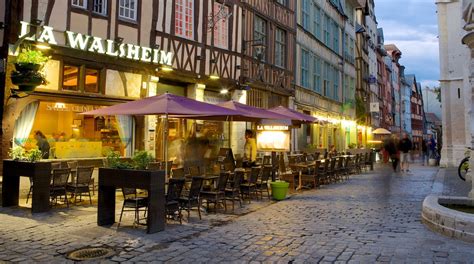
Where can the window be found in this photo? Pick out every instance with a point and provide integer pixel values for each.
(351, 47)
(92, 81)
(70, 78)
(74, 77)
(100, 7)
(79, 3)
(128, 9)
(327, 30)
(305, 14)
(304, 68)
(184, 17)
(326, 82)
(280, 47)
(317, 74)
(260, 33)
(335, 35)
(282, 2)
(221, 27)
(317, 22)
(336, 84)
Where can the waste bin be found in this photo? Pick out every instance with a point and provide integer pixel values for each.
(279, 189)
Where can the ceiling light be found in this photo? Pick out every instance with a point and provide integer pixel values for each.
(42, 46)
(224, 91)
(166, 69)
(214, 77)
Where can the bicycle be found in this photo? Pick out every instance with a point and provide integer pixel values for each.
(463, 167)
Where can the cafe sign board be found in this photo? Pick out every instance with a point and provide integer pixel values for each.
(98, 45)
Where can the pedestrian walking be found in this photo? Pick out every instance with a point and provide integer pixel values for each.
(405, 145)
(424, 150)
(431, 147)
(391, 148)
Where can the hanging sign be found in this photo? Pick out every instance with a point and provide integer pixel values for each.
(98, 45)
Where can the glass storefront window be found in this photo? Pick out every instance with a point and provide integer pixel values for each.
(70, 77)
(72, 135)
(92, 81)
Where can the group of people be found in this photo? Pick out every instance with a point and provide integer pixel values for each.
(399, 151)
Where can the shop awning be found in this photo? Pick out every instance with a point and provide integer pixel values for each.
(296, 117)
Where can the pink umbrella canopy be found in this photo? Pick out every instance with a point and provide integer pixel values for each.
(170, 104)
(296, 116)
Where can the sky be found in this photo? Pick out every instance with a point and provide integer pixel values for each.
(413, 27)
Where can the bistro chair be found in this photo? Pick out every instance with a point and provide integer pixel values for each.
(249, 187)
(232, 192)
(175, 186)
(177, 173)
(262, 183)
(54, 165)
(311, 175)
(286, 174)
(190, 199)
(154, 166)
(58, 187)
(339, 169)
(132, 202)
(81, 183)
(194, 171)
(323, 172)
(218, 195)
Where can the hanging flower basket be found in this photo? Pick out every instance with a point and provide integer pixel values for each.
(27, 75)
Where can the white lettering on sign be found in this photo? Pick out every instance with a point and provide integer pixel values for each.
(272, 128)
(98, 45)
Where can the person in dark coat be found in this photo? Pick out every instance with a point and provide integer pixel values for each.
(391, 148)
(405, 145)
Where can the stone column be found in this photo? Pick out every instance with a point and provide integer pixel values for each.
(468, 39)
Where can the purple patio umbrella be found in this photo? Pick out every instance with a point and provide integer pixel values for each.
(297, 117)
(168, 105)
(255, 112)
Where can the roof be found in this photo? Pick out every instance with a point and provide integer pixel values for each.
(433, 118)
(410, 79)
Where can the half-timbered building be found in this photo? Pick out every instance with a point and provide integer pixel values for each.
(104, 52)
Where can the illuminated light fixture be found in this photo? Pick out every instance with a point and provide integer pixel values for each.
(201, 86)
(166, 69)
(224, 91)
(42, 46)
(154, 79)
(214, 77)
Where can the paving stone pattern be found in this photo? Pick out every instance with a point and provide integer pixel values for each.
(373, 217)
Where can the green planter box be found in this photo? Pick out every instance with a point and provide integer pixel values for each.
(279, 189)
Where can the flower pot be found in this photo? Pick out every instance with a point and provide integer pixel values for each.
(23, 67)
(279, 189)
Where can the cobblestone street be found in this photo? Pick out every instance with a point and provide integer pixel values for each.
(373, 217)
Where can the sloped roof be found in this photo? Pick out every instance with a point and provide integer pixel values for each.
(433, 118)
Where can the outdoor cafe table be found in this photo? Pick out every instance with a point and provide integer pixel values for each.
(300, 167)
(40, 172)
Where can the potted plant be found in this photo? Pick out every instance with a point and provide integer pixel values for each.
(123, 174)
(27, 73)
(18, 153)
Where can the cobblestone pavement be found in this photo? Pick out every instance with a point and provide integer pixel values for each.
(373, 217)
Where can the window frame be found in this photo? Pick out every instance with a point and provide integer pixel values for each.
(327, 30)
(305, 16)
(81, 78)
(280, 47)
(335, 37)
(317, 21)
(317, 74)
(183, 25)
(123, 17)
(305, 67)
(83, 6)
(221, 30)
(104, 6)
(261, 35)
